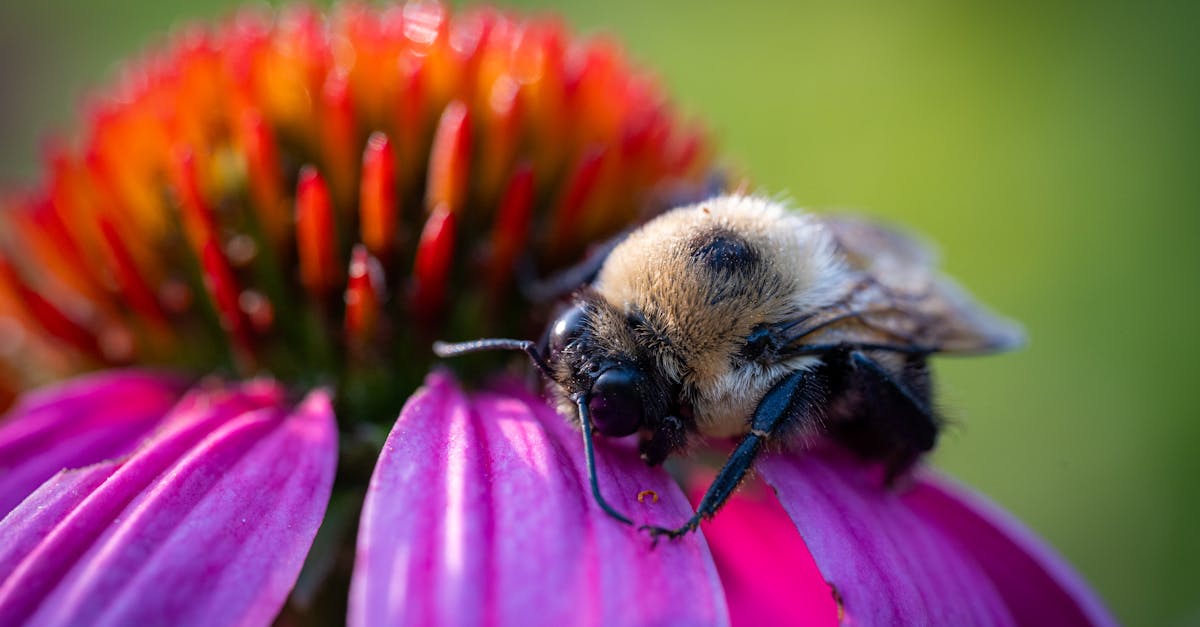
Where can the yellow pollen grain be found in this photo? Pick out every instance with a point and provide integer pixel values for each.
(837, 598)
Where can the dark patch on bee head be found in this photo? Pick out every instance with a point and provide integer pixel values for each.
(725, 252)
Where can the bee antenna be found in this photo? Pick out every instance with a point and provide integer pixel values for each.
(589, 454)
(448, 349)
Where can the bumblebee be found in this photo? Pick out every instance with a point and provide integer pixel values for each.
(736, 317)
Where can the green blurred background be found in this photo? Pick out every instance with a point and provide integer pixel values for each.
(1050, 150)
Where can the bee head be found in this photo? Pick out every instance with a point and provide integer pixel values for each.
(615, 387)
(613, 390)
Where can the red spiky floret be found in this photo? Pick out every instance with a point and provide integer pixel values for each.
(442, 151)
(363, 296)
(264, 175)
(378, 203)
(511, 232)
(450, 160)
(431, 269)
(315, 236)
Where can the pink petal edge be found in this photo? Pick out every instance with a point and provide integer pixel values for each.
(77, 423)
(888, 564)
(208, 522)
(933, 552)
(766, 570)
(479, 512)
(1038, 586)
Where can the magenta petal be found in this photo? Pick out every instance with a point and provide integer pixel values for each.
(888, 563)
(1036, 584)
(78, 423)
(208, 522)
(767, 572)
(479, 513)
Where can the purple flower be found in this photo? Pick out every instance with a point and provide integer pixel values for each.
(477, 512)
(252, 250)
(205, 517)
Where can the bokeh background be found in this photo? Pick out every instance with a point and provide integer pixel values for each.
(1048, 148)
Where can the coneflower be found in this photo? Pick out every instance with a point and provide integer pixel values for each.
(317, 198)
(263, 227)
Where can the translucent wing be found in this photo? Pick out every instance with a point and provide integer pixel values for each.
(896, 298)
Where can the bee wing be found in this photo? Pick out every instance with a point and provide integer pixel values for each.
(896, 297)
(892, 257)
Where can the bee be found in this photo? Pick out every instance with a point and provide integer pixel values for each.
(738, 318)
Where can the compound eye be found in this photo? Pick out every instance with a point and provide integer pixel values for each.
(616, 402)
(566, 329)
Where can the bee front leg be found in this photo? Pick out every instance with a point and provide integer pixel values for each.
(793, 402)
(567, 280)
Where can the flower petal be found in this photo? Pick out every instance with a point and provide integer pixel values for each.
(1036, 584)
(479, 512)
(208, 522)
(767, 572)
(887, 563)
(78, 423)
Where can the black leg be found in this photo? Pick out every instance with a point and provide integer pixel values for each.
(563, 282)
(589, 455)
(796, 400)
(669, 437)
(558, 285)
(878, 372)
(891, 419)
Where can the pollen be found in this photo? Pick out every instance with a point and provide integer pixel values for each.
(315, 196)
(837, 599)
(647, 494)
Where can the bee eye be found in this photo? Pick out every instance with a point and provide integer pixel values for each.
(565, 330)
(616, 402)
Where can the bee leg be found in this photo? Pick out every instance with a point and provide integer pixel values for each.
(589, 456)
(795, 401)
(669, 437)
(901, 411)
(563, 282)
